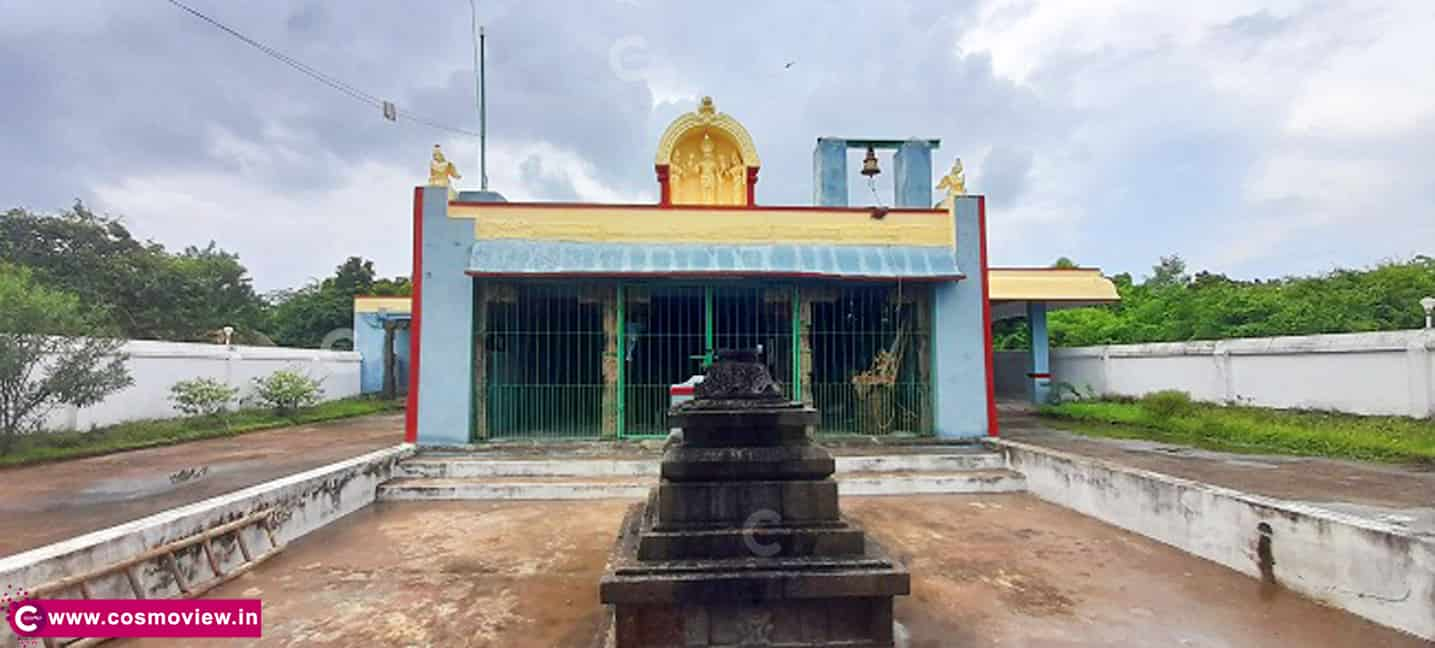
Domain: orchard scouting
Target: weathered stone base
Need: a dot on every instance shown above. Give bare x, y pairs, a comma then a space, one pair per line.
811, 600
864, 622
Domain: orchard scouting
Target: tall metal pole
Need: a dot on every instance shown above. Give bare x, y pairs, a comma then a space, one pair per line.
478, 98
482, 115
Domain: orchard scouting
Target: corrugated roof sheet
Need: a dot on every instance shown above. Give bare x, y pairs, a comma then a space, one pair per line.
525, 257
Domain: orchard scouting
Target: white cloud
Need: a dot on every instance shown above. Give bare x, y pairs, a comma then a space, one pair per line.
295, 235
1382, 84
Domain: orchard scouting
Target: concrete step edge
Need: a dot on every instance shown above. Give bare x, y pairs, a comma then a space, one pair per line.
988, 481
472, 467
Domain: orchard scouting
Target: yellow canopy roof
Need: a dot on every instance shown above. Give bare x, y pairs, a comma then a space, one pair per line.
1012, 288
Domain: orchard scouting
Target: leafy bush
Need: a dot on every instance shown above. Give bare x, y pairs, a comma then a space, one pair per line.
287, 391
202, 396
55, 350
1167, 403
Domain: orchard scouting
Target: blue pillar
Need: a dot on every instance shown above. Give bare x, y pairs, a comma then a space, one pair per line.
829, 172
1040, 374
959, 334
445, 398
913, 171
369, 342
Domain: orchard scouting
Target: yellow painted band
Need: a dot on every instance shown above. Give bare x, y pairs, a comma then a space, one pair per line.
719, 226
376, 304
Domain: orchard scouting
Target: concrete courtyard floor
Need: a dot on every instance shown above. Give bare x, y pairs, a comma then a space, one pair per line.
1390, 493
50, 502
987, 570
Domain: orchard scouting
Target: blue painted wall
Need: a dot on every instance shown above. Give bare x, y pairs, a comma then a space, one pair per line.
829, 172
445, 399
369, 342
912, 169
959, 379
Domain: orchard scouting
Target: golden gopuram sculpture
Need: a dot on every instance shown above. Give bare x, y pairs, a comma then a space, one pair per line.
706, 158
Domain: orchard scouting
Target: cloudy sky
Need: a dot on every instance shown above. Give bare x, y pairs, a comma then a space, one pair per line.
1253, 137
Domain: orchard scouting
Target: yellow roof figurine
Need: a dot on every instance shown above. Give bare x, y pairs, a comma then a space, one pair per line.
955, 182
441, 170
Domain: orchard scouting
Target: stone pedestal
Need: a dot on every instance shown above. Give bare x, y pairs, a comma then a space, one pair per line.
743, 543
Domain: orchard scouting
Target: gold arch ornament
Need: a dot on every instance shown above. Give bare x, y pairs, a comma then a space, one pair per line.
706, 158
706, 117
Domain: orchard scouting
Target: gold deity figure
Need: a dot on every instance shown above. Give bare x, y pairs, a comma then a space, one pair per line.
955, 182
707, 171
440, 170
736, 174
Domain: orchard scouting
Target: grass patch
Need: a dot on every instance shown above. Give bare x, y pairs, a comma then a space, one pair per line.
1255, 429
133, 435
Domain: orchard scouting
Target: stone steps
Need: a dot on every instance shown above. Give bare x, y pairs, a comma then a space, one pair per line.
477, 467
580, 487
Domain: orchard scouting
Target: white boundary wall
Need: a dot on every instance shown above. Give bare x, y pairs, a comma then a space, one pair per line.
1391, 373
155, 366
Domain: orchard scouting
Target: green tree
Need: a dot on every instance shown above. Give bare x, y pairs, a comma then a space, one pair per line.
149, 292
307, 316
1170, 271
1174, 306
54, 350
1064, 263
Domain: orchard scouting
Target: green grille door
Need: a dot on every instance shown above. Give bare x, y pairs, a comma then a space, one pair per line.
671, 332
540, 365
871, 364
664, 333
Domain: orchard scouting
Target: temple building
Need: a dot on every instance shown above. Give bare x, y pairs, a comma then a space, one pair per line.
540, 320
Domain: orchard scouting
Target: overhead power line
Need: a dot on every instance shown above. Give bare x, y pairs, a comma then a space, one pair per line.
347, 89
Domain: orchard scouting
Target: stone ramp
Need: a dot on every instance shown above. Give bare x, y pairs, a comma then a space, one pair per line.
465, 477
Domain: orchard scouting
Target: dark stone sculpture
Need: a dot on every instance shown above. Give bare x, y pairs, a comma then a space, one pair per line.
742, 543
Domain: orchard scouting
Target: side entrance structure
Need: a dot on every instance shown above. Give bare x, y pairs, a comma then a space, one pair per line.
575, 320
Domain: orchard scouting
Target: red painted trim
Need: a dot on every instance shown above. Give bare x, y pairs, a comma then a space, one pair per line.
1038, 375
856, 211
698, 274
1081, 269
993, 428
665, 189
1048, 300
411, 406
752, 186
681, 390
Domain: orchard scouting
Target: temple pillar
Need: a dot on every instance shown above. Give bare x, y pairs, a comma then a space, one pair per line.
612, 356
912, 168
441, 390
1040, 374
480, 361
961, 333
829, 172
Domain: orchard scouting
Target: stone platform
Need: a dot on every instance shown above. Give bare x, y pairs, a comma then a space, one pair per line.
742, 543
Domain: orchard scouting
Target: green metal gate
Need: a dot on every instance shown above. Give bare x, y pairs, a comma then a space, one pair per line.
870, 358
566, 361
539, 370
672, 331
